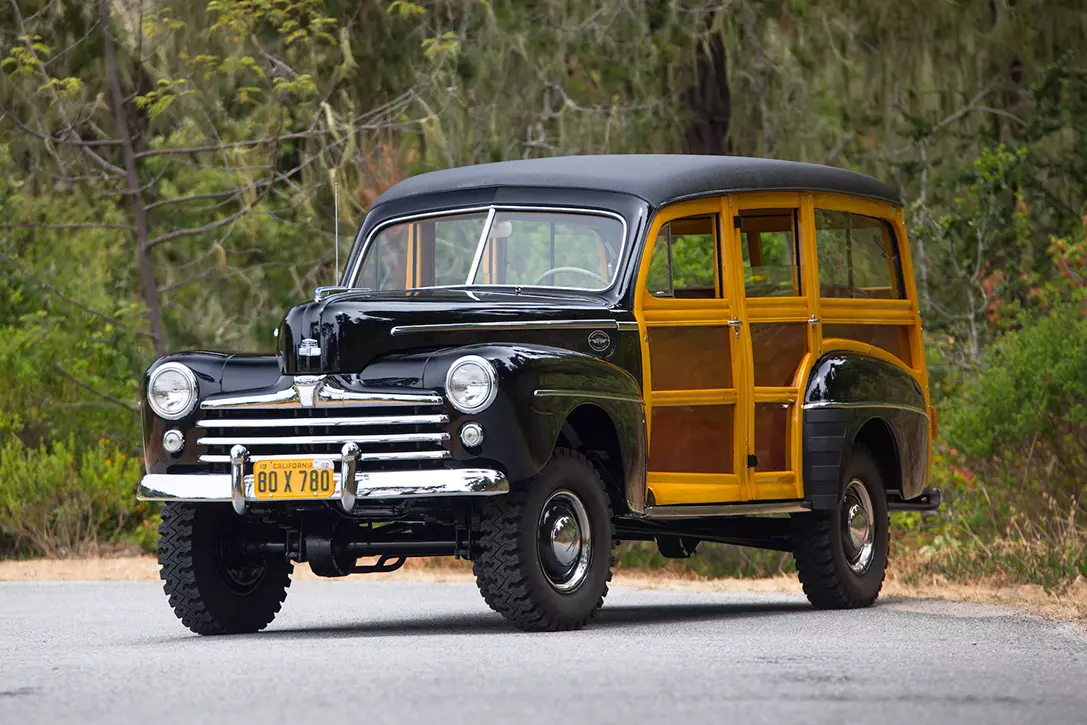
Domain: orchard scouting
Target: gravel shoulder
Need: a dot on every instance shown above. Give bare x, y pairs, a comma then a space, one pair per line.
1070, 605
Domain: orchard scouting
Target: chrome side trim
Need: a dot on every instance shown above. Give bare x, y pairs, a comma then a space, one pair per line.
888, 406
331, 396
390, 456
683, 511
327, 396
279, 399
627, 325
374, 484
322, 422
350, 276
583, 394
307, 440
511, 325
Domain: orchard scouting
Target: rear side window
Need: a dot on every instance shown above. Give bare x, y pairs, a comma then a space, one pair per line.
684, 261
858, 256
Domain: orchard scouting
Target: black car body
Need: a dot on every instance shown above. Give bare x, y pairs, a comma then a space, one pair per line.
359, 383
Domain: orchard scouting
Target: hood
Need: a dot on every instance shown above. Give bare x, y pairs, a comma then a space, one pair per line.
351, 329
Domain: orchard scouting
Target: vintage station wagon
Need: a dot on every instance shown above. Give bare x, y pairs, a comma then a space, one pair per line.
530, 361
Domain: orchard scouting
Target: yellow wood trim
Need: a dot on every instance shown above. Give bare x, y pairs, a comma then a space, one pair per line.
781, 486
705, 312
410, 261
742, 375
763, 478
843, 305
796, 430
765, 200
857, 205
673, 398
670, 311
777, 309
680, 488
775, 395
868, 312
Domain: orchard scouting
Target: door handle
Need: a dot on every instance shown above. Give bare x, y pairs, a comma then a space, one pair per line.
736, 323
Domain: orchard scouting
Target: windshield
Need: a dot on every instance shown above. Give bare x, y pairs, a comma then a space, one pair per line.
498, 247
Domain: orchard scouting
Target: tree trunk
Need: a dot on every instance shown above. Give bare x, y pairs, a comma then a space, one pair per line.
709, 100
132, 182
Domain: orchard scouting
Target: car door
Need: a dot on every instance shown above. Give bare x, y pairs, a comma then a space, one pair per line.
693, 361
769, 237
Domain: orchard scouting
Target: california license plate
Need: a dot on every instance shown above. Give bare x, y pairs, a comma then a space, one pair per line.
293, 478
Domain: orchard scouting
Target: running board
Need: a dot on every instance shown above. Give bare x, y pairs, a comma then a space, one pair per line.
697, 511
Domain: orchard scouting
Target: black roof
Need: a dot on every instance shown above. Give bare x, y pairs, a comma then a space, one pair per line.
657, 178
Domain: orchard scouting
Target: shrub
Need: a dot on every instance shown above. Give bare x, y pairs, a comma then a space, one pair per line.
54, 502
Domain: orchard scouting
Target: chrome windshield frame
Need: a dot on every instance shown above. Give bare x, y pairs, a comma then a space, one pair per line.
351, 276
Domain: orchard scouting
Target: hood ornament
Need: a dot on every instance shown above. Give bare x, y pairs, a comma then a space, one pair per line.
309, 348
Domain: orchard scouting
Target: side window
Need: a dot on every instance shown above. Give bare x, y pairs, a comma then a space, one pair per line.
768, 244
684, 262
858, 256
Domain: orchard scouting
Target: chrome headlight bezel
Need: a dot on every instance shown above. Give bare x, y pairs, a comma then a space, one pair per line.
489, 373
190, 378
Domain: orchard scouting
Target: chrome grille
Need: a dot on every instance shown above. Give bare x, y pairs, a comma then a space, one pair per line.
395, 432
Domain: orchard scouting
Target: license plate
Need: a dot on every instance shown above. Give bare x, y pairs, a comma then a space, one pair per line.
293, 478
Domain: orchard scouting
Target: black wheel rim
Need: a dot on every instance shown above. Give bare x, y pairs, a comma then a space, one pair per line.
241, 570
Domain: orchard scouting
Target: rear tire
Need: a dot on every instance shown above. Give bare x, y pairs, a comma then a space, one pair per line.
546, 547
841, 555
213, 586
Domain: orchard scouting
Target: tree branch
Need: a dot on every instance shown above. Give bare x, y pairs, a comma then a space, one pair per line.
30, 225
105, 396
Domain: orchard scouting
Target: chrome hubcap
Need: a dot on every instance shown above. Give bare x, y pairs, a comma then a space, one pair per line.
858, 526
564, 538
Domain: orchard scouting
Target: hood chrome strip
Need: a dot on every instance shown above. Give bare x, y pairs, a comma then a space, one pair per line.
301, 396
504, 325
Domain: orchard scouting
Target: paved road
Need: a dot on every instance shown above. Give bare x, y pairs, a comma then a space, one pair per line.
374, 652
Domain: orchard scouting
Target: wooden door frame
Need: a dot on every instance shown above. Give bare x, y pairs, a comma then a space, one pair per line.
788, 484
690, 488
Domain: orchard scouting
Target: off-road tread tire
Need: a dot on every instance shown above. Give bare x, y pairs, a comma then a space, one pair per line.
197, 594
820, 564
504, 568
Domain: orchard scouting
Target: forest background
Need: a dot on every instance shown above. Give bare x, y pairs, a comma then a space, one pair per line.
166, 176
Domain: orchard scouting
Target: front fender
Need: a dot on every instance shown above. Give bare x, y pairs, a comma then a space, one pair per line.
538, 388
215, 373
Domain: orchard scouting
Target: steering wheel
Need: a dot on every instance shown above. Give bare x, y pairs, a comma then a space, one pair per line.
578, 270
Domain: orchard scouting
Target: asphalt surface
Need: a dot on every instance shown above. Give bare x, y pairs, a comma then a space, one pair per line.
366, 651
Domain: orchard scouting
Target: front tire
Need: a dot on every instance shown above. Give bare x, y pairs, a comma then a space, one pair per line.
214, 585
546, 547
841, 555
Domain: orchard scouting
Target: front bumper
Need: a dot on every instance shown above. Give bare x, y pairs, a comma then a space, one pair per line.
236, 487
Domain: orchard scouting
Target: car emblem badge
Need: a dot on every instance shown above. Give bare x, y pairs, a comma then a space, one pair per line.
309, 348
599, 340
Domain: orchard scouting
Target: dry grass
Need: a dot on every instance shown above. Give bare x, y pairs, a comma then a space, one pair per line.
1069, 604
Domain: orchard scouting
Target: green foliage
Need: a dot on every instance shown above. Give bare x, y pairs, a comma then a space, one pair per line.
57, 503
1032, 393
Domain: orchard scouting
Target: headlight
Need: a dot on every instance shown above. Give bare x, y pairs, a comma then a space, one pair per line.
471, 384
172, 391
